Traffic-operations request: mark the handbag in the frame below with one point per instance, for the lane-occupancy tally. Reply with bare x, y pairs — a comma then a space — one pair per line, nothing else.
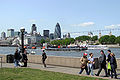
108, 66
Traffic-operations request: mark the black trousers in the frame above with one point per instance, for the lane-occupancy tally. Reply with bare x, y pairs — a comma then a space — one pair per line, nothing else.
109, 71
113, 70
86, 68
101, 66
43, 61
25, 63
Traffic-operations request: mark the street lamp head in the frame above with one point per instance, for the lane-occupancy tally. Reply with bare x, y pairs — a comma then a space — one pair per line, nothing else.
22, 29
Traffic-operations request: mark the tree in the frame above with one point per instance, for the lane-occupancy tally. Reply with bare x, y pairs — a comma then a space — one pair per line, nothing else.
118, 40
83, 38
106, 39
47, 40
42, 41
112, 39
63, 42
94, 38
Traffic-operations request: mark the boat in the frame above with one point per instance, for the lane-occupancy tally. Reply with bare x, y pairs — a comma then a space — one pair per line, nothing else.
30, 47
67, 48
97, 47
33, 53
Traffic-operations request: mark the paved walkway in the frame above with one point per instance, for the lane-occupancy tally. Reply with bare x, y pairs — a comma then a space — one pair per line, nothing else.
67, 70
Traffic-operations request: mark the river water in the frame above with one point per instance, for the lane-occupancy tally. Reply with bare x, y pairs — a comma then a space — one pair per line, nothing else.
11, 50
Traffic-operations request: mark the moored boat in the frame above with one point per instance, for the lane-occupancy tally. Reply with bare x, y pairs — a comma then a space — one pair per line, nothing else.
97, 47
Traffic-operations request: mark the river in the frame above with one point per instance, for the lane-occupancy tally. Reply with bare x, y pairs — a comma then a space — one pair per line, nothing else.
11, 50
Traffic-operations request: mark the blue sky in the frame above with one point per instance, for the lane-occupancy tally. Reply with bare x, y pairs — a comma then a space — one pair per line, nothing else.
73, 15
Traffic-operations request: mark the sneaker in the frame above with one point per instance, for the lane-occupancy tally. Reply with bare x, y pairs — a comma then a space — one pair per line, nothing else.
96, 75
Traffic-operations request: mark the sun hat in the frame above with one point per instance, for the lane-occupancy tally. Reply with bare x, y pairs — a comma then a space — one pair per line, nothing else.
85, 54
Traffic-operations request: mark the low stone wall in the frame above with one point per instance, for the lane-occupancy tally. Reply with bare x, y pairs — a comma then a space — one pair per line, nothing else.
55, 60
59, 61
3, 58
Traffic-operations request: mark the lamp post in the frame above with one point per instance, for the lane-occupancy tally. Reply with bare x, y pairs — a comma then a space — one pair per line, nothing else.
22, 29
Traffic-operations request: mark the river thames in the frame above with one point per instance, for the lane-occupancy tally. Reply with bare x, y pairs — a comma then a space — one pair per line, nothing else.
11, 50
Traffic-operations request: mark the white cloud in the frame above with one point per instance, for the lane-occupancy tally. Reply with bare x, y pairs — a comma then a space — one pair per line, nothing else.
112, 26
86, 24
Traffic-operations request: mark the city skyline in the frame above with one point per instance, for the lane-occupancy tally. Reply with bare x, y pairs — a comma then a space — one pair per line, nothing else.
73, 16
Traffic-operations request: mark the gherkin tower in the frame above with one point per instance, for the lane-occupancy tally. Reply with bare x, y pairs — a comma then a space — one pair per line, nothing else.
57, 33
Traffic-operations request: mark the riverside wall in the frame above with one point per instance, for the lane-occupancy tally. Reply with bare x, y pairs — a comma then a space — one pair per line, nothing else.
58, 61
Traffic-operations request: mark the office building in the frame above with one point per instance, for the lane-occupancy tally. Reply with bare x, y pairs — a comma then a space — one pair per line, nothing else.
34, 29
10, 33
16, 33
46, 33
3, 35
57, 33
51, 36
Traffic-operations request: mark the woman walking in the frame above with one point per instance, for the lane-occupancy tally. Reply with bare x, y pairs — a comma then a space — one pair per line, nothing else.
90, 64
113, 64
84, 62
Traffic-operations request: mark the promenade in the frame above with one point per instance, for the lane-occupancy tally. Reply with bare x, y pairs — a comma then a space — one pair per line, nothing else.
66, 70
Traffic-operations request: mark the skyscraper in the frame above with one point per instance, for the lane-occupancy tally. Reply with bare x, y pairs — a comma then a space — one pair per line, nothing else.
46, 33
34, 28
16, 33
51, 36
57, 33
3, 35
10, 33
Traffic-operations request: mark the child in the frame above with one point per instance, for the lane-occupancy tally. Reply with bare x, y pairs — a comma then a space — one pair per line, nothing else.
84, 62
90, 64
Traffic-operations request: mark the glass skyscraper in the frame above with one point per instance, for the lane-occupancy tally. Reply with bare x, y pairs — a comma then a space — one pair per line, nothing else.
10, 33
34, 28
57, 33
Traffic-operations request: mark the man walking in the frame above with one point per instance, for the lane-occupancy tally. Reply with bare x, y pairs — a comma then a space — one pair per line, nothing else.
44, 56
102, 63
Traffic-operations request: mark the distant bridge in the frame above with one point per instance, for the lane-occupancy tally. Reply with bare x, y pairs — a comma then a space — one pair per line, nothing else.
116, 29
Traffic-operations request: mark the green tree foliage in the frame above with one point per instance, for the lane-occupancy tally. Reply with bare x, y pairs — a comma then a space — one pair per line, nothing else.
94, 38
47, 40
112, 39
66, 41
42, 41
118, 40
83, 38
106, 39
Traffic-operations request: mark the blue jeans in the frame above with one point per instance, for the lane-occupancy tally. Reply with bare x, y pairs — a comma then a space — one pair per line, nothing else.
90, 70
16, 62
86, 68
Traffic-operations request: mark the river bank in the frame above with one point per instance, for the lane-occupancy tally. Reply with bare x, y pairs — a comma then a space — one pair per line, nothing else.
59, 61
113, 46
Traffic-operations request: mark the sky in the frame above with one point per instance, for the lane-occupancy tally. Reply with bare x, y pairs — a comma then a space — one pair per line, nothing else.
72, 15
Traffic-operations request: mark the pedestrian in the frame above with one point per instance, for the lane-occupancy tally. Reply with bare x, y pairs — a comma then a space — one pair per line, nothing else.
44, 57
90, 64
24, 56
113, 64
16, 58
84, 62
108, 62
102, 64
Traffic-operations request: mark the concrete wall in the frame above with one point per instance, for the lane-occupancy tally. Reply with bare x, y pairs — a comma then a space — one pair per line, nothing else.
59, 61
3, 58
